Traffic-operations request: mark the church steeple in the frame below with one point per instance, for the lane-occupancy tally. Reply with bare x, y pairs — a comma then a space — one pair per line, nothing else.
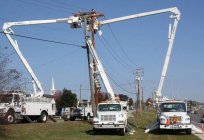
53, 90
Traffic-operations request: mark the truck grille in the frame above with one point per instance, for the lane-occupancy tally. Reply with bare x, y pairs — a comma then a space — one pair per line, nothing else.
108, 117
175, 119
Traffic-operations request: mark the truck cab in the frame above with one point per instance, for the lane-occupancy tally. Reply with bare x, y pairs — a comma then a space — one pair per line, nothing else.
111, 116
173, 116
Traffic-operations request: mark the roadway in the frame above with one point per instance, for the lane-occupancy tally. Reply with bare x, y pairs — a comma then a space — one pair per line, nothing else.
195, 119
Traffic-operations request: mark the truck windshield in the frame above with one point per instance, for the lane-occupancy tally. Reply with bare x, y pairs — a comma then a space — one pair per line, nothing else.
173, 107
109, 107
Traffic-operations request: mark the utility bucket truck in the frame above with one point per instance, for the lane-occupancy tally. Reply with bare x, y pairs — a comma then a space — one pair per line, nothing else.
86, 109
111, 114
173, 116
82, 111
178, 119
35, 107
17, 106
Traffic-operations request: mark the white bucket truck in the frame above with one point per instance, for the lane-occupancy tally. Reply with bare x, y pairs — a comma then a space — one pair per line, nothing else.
173, 116
111, 115
16, 106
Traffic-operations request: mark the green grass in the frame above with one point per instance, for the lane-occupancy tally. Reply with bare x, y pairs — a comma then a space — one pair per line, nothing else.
78, 130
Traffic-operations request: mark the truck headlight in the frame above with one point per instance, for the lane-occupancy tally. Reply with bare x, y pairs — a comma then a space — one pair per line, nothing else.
95, 121
162, 120
120, 121
187, 120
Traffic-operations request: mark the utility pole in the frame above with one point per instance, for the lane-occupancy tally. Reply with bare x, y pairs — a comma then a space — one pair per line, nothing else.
93, 18
90, 70
143, 105
80, 93
138, 78
89, 23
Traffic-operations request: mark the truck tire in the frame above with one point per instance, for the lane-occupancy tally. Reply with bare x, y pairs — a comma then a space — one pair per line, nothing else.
72, 118
10, 117
88, 117
188, 131
122, 131
43, 117
161, 131
95, 131
65, 118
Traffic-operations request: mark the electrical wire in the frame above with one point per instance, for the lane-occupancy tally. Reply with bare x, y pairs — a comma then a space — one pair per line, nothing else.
113, 54
119, 85
56, 5
122, 65
72, 5
61, 4
53, 5
56, 59
41, 5
120, 45
46, 40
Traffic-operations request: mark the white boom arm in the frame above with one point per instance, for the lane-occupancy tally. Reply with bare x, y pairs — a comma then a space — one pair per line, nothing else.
176, 16
172, 33
38, 91
71, 20
173, 10
101, 70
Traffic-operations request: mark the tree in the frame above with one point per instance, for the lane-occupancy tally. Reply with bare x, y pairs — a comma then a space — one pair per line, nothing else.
149, 102
102, 96
57, 97
65, 99
123, 97
10, 79
131, 102
68, 99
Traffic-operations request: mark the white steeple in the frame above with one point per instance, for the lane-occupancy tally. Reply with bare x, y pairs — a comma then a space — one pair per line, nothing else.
53, 90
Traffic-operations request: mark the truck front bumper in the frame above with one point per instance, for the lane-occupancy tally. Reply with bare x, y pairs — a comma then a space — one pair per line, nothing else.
108, 126
176, 126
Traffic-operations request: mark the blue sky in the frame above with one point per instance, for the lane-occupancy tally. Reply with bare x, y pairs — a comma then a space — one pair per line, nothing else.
144, 41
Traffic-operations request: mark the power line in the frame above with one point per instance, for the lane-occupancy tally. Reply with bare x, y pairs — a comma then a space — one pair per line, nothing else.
72, 5
113, 54
41, 5
60, 4
119, 85
119, 44
46, 40
56, 5
56, 59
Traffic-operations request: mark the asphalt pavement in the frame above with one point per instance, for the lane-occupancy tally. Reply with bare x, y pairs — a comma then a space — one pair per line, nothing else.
195, 119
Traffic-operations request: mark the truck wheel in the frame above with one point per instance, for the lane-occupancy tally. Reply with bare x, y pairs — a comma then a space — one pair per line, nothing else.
122, 131
95, 131
72, 118
65, 118
43, 117
188, 131
161, 131
88, 117
10, 118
